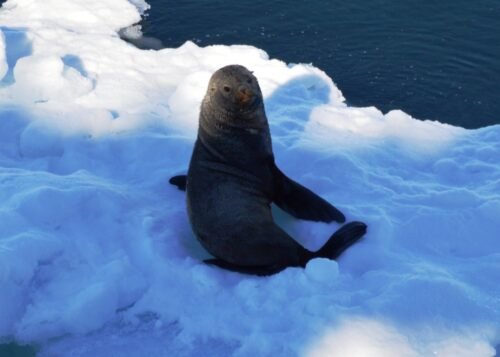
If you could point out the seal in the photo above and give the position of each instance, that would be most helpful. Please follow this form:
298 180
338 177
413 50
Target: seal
233 179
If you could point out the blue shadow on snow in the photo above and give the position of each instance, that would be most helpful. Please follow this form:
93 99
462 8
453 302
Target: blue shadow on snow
76 63
17 45
290 105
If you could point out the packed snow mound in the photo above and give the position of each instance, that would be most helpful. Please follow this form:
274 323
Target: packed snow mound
3 60
96 253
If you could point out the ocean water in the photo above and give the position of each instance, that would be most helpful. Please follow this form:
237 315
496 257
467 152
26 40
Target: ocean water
437 60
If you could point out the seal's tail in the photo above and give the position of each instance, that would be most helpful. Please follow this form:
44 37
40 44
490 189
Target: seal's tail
342 239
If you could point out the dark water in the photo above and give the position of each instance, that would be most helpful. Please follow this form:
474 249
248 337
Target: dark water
435 60
15 350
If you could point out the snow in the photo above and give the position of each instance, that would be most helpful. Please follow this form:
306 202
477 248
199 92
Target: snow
3 60
96 253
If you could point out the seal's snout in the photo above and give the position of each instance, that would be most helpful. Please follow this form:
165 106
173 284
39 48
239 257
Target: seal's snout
245 95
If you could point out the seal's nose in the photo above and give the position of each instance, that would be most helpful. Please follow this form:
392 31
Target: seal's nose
245 94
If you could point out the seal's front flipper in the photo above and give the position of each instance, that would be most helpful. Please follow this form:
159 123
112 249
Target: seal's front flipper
252 270
342 239
179 181
301 202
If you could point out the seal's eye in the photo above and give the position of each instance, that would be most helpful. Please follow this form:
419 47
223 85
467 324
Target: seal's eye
227 89
249 80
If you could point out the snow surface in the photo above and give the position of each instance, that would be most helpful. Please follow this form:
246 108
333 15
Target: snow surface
96 254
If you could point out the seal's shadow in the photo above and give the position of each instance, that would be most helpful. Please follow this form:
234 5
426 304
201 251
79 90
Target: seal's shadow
288 108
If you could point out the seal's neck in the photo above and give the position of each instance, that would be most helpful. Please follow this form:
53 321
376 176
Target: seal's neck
213 118
245 142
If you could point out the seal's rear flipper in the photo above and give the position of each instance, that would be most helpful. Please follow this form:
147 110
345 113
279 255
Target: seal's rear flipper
253 270
179 181
342 239
301 202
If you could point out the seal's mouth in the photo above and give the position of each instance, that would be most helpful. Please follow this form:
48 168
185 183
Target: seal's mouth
251 105
245 97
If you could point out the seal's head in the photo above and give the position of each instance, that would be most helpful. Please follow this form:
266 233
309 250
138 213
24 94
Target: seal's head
234 89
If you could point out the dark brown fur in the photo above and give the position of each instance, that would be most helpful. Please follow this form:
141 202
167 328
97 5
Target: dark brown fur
232 181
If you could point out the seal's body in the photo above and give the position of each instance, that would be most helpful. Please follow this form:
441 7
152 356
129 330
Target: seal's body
232 181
